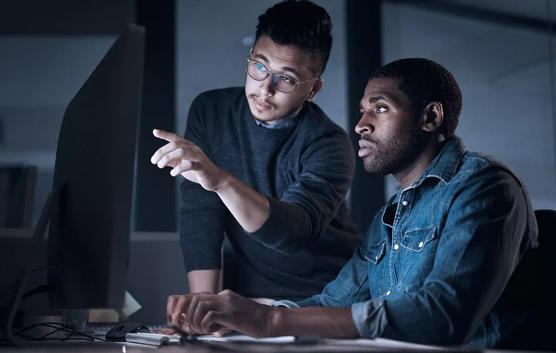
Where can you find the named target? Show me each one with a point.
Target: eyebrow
(373, 99)
(284, 68)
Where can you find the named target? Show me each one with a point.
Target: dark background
(501, 52)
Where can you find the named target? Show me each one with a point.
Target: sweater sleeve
(202, 214)
(311, 202)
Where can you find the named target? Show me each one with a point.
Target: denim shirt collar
(443, 167)
(446, 162)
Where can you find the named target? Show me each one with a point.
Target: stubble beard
(395, 154)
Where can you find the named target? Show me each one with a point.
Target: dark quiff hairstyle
(300, 23)
(424, 81)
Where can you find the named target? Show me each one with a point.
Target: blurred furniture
(17, 192)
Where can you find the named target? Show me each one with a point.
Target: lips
(262, 105)
(365, 143)
(364, 152)
(365, 148)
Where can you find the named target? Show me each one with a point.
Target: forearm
(204, 281)
(250, 208)
(320, 321)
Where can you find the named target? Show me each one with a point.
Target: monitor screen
(90, 218)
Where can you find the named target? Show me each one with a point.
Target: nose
(267, 86)
(364, 126)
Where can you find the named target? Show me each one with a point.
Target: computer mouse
(118, 332)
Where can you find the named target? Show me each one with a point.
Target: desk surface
(326, 346)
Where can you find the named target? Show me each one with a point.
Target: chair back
(531, 292)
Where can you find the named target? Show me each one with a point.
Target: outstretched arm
(304, 210)
(249, 208)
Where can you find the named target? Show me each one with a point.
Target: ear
(317, 86)
(433, 117)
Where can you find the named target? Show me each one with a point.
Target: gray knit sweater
(305, 171)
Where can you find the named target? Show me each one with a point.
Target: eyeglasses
(282, 82)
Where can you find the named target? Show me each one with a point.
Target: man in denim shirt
(436, 257)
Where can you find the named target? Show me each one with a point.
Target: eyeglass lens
(282, 82)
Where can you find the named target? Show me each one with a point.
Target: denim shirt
(438, 255)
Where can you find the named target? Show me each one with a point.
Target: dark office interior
(502, 53)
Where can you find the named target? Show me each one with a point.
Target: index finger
(175, 306)
(167, 135)
(170, 305)
(181, 306)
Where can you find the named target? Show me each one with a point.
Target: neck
(415, 169)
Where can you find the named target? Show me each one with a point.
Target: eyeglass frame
(272, 73)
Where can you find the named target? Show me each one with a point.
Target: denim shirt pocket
(416, 260)
(375, 252)
(417, 239)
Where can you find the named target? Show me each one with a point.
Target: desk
(326, 346)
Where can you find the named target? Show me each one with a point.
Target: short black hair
(300, 23)
(425, 81)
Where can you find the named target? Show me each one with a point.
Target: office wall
(504, 73)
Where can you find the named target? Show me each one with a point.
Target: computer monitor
(90, 218)
(89, 209)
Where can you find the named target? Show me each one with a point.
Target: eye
(286, 79)
(260, 66)
(381, 109)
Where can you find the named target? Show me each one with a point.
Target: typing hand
(225, 311)
(176, 306)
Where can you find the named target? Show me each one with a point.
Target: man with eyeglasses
(267, 167)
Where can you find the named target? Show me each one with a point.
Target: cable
(57, 327)
(45, 267)
(17, 281)
(37, 290)
(54, 325)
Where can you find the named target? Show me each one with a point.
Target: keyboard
(158, 340)
(100, 329)
(152, 339)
